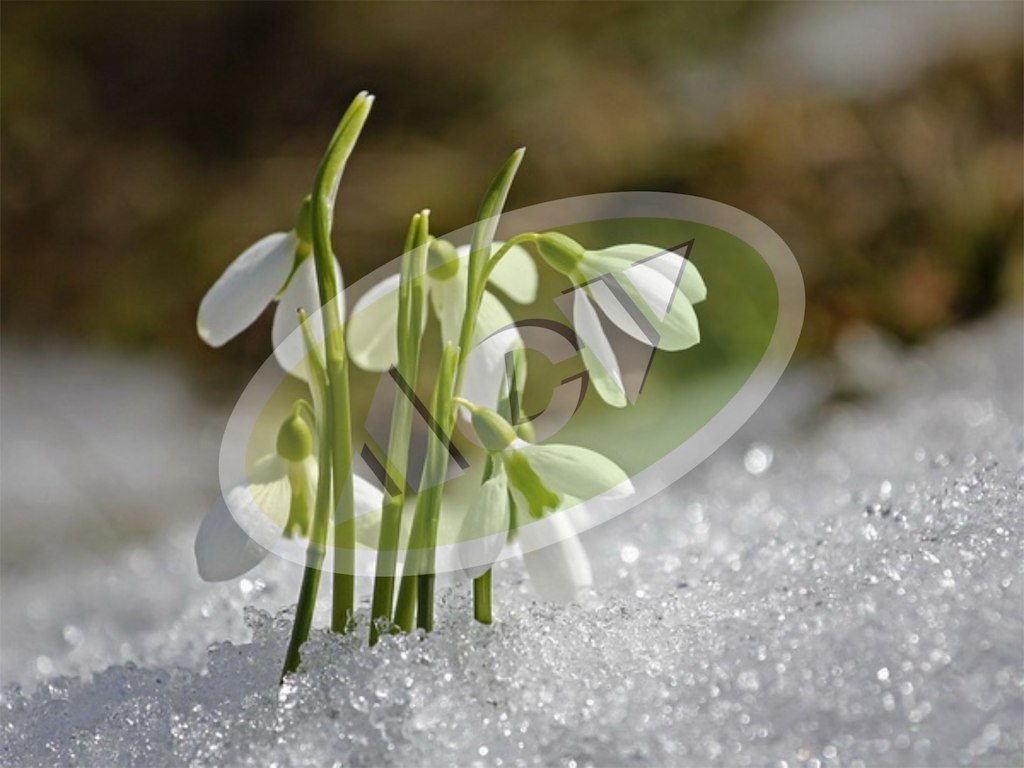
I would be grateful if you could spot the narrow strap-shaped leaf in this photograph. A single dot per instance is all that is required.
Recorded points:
(491, 206)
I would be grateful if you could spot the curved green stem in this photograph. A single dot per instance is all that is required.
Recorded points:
(321, 509)
(526, 237)
(337, 410)
(417, 585)
(302, 408)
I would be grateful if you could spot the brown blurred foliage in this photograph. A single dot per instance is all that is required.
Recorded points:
(144, 145)
(904, 211)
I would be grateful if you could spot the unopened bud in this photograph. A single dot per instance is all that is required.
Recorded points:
(560, 251)
(442, 260)
(526, 432)
(494, 432)
(294, 439)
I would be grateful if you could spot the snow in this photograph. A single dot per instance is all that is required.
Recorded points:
(842, 584)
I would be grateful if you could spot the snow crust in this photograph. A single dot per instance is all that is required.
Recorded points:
(841, 584)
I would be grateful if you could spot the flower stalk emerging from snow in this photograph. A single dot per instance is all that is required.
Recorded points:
(408, 337)
(527, 489)
(525, 483)
(337, 409)
(417, 586)
(322, 512)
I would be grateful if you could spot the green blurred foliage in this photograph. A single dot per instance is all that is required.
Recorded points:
(145, 145)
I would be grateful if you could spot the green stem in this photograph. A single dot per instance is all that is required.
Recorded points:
(321, 510)
(416, 590)
(344, 583)
(480, 261)
(410, 333)
(526, 237)
(415, 593)
(337, 408)
(417, 585)
(482, 598)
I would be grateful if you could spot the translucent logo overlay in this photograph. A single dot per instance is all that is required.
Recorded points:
(610, 387)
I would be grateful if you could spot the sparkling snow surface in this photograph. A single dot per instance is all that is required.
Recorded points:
(842, 584)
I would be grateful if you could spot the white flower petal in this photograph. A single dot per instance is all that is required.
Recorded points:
(223, 550)
(491, 318)
(484, 528)
(578, 472)
(597, 353)
(648, 291)
(448, 300)
(247, 286)
(669, 263)
(372, 330)
(302, 293)
(368, 497)
(484, 383)
(515, 274)
(678, 327)
(270, 491)
(560, 570)
(674, 267)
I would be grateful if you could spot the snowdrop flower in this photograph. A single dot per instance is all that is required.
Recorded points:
(536, 480)
(277, 502)
(645, 290)
(277, 268)
(372, 328)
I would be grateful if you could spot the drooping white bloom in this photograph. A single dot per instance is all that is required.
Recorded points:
(645, 290)
(228, 541)
(558, 570)
(372, 327)
(278, 268)
(485, 527)
(535, 481)
(555, 560)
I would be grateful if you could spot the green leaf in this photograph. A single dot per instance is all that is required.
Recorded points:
(486, 225)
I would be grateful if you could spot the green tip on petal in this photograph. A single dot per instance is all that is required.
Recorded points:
(521, 476)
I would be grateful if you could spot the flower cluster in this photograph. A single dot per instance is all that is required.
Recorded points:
(305, 492)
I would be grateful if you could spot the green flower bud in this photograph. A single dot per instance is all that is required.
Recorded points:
(294, 439)
(442, 260)
(494, 432)
(524, 479)
(304, 223)
(560, 251)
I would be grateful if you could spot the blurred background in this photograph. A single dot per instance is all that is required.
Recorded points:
(144, 145)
